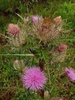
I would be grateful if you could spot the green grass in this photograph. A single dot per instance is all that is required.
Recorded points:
(11, 87)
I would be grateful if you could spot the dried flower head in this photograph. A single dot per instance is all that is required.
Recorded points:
(57, 19)
(70, 73)
(13, 29)
(47, 29)
(62, 47)
(34, 78)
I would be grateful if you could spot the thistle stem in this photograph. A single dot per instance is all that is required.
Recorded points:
(16, 55)
(47, 68)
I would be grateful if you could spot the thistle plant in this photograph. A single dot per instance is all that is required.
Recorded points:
(35, 36)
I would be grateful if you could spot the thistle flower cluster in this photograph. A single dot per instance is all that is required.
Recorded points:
(47, 29)
(44, 29)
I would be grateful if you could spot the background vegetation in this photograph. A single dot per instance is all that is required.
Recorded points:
(10, 83)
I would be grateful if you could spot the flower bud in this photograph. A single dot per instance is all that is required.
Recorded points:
(13, 29)
(62, 47)
(57, 19)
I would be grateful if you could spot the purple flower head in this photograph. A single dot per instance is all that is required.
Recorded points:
(34, 78)
(27, 19)
(70, 73)
(13, 29)
(62, 47)
(35, 19)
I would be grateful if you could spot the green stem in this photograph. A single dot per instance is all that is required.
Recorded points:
(16, 55)
(47, 69)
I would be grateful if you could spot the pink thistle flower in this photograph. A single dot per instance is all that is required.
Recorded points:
(35, 19)
(34, 78)
(70, 73)
(27, 19)
(62, 47)
(57, 19)
(60, 99)
(13, 29)
(16, 61)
